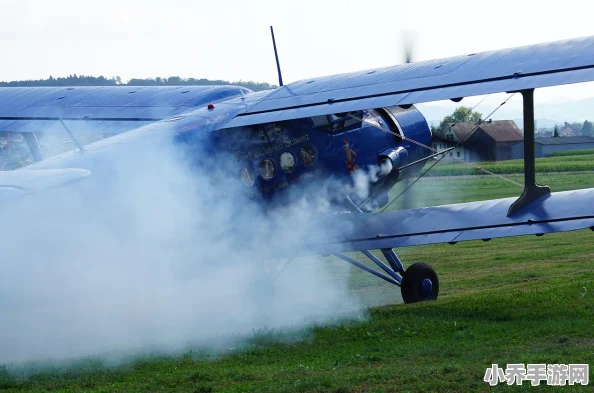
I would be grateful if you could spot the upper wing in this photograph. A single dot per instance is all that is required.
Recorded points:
(556, 212)
(506, 70)
(104, 109)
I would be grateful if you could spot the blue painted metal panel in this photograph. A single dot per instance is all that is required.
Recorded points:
(557, 212)
(125, 103)
(104, 127)
(318, 110)
(507, 85)
(461, 69)
(550, 64)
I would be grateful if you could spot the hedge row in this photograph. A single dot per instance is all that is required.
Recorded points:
(571, 153)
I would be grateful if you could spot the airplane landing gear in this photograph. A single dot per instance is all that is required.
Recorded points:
(418, 283)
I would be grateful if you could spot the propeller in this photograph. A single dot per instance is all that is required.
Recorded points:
(408, 43)
(409, 38)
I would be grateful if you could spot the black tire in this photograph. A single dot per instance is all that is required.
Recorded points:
(412, 288)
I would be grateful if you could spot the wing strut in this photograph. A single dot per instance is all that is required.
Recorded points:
(72, 137)
(532, 190)
(34, 147)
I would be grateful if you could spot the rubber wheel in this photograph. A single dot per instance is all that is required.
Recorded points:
(419, 283)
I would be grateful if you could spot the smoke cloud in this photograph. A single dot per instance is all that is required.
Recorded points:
(363, 180)
(150, 252)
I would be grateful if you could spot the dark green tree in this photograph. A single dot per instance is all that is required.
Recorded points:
(556, 132)
(587, 129)
(461, 114)
(82, 80)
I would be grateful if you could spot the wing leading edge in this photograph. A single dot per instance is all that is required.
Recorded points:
(556, 212)
(106, 109)
(528, 67)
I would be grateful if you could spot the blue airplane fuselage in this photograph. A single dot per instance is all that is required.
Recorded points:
(270, 159)
(275, 157)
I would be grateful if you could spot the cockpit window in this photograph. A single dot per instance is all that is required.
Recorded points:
(287, 162)
(338, 122)
(308, 155)
(372, 120)
(267, 169)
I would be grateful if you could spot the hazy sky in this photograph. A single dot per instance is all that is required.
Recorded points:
(230, 39)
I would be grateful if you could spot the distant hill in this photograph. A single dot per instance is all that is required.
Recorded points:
(577, 111)
(547, 115)
(84, 80)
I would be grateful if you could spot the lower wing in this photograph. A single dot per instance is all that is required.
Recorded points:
(556, 212)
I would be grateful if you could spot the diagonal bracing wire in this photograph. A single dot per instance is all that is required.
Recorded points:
(488, 172)
(449, 128)
(413, 183)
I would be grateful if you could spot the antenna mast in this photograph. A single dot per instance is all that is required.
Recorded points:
(280, 76)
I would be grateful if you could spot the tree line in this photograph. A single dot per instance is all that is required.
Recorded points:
(85, 80)
(574, 129)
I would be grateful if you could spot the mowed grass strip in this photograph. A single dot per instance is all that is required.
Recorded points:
(515, 300)
(553, 163)
(433, 191)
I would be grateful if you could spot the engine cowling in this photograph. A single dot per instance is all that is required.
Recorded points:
(412, 140)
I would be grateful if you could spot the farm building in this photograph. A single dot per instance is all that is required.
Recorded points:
(544, 146)
(486, 141)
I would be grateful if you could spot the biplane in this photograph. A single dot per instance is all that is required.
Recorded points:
(332, 126)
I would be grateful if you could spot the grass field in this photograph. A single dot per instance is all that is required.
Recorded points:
(573, 161)
(431, 191)
(514, 300)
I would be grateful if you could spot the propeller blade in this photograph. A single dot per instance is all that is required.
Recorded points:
(408, 43)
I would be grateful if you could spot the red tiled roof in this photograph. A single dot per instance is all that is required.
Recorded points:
(499, 130)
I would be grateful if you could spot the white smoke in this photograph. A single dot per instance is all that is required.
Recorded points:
(362, 181)
(150, 252)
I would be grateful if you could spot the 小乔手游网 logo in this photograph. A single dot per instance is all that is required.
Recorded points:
(551, 374)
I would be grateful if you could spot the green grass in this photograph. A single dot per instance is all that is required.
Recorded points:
(514, 300)
(553, 163)
(432, 191)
